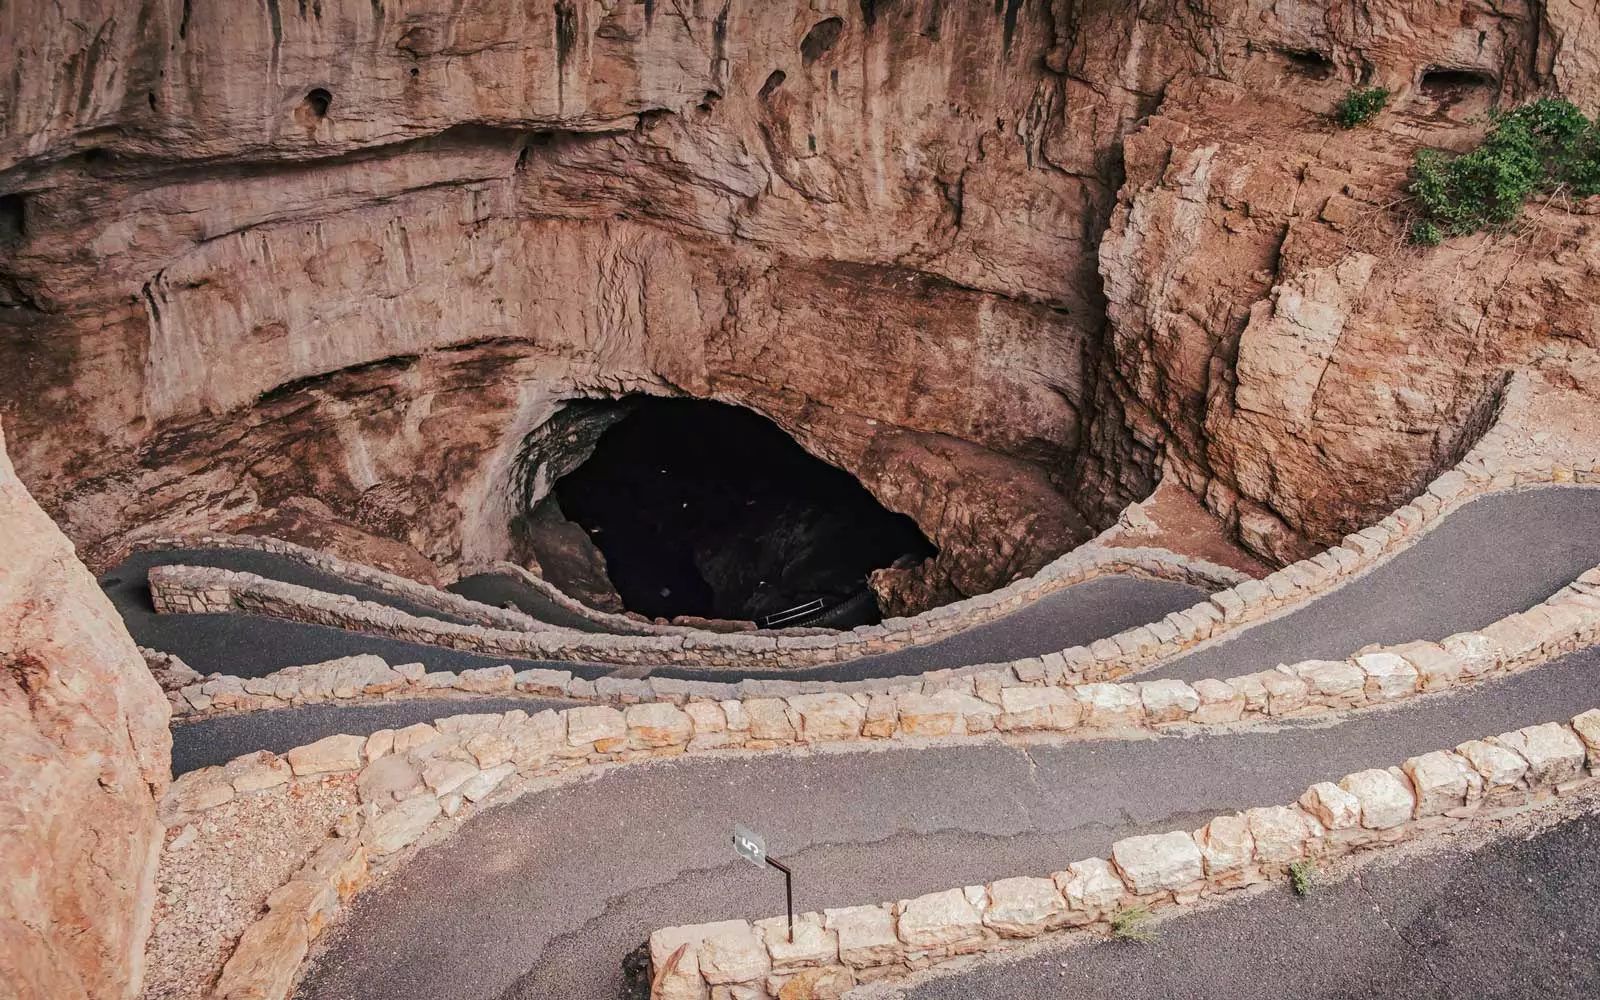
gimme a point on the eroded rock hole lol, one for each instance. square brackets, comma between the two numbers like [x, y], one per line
[708, 510]
[318, 101]
[1456, 93]
[13, 218]
[821, 38]
[1309, 63]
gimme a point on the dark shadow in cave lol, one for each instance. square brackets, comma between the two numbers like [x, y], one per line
[706, 509]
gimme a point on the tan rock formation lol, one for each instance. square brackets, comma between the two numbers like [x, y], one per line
[84, 756]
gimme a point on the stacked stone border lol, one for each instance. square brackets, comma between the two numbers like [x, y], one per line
[415, 782]
[1434, 792]
[1043, 686]
[210, 590]
[1493, 465]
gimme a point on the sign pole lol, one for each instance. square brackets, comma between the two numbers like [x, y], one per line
[788, 892]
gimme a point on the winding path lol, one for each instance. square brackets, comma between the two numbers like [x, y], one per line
[543, 897]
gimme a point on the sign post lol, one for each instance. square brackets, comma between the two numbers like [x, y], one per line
[754, 850]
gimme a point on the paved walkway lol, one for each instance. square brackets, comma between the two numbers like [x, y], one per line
[1515, 920]
[545, 896]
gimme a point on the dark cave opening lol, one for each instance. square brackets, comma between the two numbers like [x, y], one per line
[709, 510]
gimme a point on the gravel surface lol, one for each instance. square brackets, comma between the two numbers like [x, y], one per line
[211, 890]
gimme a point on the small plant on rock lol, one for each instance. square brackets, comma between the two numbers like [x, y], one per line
[1361, 105]
[1303, 877]
[1133, 924]
[1546, 146]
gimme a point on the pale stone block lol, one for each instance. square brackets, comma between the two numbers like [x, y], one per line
[257, 771]
[1286, 693]
[1587, 727]
[541, 681]
[939, 920]
[411, 671]
[1443, 781]
[769, 719]
[828, 982]
[411, 737]
[1333, 681]
[1091, 885]
[1476, 652]
[1438, 668]
[1225, 845]
[1167, 700]
[710, 726]
[1026, 708]
[813, 945]
[1157, 862]
[827, 717]
[1386, 800]
[444, 775]
[731, 951]
[1499, 766]
[1250, 688]
[266, 958]
[1220, 703]
[1334, 808]
[883, 716]
[1108, 706]
[945, 713]
[866, 935]
[329, 754]
[389, 779]
[657, 724]
[594, 724]
[679, 979]
[492, 749]
[409, 819]
[1389, 677]
[1553, 753]
[1024, 907]
[197, 791]
[1282, 833]
[378, 745]
[481, 785]
[487, 680]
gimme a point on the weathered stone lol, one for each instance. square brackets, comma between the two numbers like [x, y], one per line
[1334, 807]
[1157, 862]
[657, 724]
[329, 754]
[401, 825]
[1286, 693]
[1386, 800]
[414, 736]
[813, 943]
[866, 935]
[827, 717]
[487, 680]
[264, 962]
[1032, 708]
[1442, 781]
[1111, 706]
[1220, 703]
[257, 771]
[1587, 726]
[830, 982]
[1333, 682]
[199, 790]
[1282, 833]
[946, 713]
[1024, 907]
[769, 720]
[1389, 677]
[948, 919]
[596, 725]
[1167, 700]
[1225, 845]
[444, 775]
[1499, 766]
[1553, 753]
[481, 785]
[1091, 886]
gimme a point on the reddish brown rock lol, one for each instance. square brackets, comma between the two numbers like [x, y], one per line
[84, 757]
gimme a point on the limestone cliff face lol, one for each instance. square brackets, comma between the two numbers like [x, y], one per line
[325, 268]
[84, 756]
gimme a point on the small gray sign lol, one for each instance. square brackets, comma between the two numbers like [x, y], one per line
[750, 846]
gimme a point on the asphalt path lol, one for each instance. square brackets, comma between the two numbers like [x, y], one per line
[500, 589]
[544, 897]
[1492, 558]
[1518, 918]
[208, 742]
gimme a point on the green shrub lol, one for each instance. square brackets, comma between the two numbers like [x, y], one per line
[1360, 106]
[1539, 147]
[1133, 925]
[1303, 877]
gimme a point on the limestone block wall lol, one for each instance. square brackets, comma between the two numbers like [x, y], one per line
[1430, 793]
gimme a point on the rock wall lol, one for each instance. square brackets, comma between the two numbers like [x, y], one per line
[84, 758]
[324, 269]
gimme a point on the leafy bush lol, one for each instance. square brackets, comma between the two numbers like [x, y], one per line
[1360, 106]
[1303, 877]
[1537, 148]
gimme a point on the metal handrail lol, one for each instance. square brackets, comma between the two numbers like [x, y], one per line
[805, 610]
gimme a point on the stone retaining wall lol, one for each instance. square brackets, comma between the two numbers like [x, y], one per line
[839, 948]
[415, 781]
[209, 590]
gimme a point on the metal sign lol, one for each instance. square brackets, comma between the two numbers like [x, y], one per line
[750, 846]
[753, 849]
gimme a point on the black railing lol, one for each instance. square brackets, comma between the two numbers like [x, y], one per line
[787, 616]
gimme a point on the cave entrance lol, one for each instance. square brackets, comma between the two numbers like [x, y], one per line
[709, 510]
